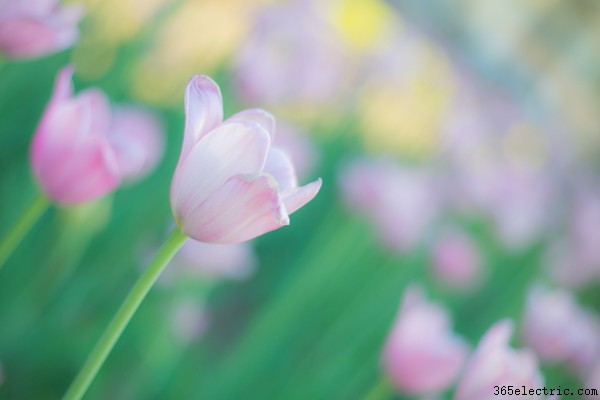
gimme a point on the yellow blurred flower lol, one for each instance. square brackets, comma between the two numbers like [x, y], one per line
[361, 23]
[405, 117]
[196, 38]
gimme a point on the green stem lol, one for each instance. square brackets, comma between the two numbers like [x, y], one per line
[16, 234]
[121, 319]
[380, 391]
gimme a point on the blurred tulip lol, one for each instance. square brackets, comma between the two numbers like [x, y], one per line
[137, 138]
[574, 259]
[289, 40]
[457, 261]
[401, 201]
[495, 363]
[230, 185]
[234, 261]
[422, 355]
[34, 28]
[559, 330]
[189, 320]
[71, 156]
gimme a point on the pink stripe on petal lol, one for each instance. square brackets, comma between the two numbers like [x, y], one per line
[258, 115]
[231, 149]
[203, 110]
[240, 210]
[297, 198]
[280, 166]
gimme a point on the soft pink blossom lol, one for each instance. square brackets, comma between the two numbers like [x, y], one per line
[457, 261]
[422, 355]
[235, 261]
[289, 56]
[401, 201]
[71, 156]
[495, 363]
[33, 28]
[137, 138]
[560, 330]
[230, 184]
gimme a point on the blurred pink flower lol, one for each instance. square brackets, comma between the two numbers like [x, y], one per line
[71, 156]
[289, 56]
[137, 138]
[422, 355]
[33, 28]
[230, 184]
[189, 320]
[402, 202]
[457, 261]
[495, 363]
[559, 330]
[574, 259]
[299, 146]
[235, 261]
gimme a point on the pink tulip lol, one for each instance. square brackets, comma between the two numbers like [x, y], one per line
[230, 185]
[137, 138]
[290, 40]
[234, 261]
[71, 156]
[33, 28]
[559, 330]
[495, 363]
[401, 201]
[422, 355]
[456, 260]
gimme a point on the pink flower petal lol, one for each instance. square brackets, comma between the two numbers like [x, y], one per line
[280, 166]
[203, 110]
[242, 209]
[298, 197]
[231, 149]
[258, 115]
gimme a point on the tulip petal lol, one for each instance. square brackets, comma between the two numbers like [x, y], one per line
[231, 149]
[280, 166]
[242, 209]
[298, 197]
[203, 110]
[265, 119]
[28, 37]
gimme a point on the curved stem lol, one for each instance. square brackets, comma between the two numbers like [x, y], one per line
[16, 234]
[380, 391]
[124, 314]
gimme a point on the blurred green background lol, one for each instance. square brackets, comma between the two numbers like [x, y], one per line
[311, 321]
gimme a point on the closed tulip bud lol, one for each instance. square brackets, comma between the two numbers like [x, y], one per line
[495, 363]
[422, 355]
[71, 156]
[34, 28]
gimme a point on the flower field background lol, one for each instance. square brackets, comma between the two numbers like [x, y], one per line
[458, 147]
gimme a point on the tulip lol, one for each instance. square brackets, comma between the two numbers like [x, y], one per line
[495, 363]
[34, 28]
[400, 201]
[422, 355]
[230, 185]
[137, 138]
[456, 260]
[71, 156]
[559, 330]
